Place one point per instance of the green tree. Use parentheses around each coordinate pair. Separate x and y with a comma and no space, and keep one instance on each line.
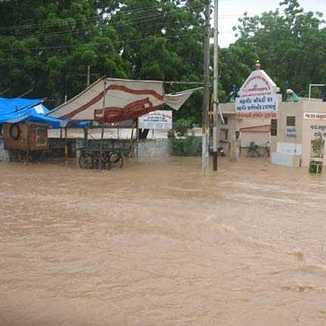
(289,42)
(47,46)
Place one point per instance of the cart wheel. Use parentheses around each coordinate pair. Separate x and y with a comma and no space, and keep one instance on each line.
(85,161)
(101,161)
(23,156)
(97,162)
(116,159)
(106,163)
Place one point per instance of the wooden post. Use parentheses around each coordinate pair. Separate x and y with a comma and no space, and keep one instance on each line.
(102,131)
(101,147)
(131,147)
(66,145)
(85,136)
(137,139)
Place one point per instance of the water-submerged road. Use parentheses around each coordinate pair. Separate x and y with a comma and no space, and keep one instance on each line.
(159,244)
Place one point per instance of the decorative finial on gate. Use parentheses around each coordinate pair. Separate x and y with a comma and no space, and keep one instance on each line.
(258,65)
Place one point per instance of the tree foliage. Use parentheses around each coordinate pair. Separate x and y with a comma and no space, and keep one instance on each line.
(290,43)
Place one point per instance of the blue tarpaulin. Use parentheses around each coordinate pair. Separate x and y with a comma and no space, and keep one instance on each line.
(14,110)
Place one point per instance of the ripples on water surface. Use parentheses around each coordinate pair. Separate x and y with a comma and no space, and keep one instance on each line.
(159,244)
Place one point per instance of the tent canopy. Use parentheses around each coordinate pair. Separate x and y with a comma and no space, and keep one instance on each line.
(14,110)
(114,100)
(12,105)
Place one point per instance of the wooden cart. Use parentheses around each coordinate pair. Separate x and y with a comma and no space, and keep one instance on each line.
(103,156)
(25,141)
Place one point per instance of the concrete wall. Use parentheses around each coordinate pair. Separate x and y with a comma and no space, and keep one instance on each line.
(149,150)
(297,146)
(312,107)
(287,145)
(285,159)
(145,150)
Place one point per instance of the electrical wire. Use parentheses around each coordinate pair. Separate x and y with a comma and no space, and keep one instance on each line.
(143,19)
(91,18)
(133,41)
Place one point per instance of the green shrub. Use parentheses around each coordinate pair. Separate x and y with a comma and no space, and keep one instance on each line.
(315,167)
(187,146)
(181,126)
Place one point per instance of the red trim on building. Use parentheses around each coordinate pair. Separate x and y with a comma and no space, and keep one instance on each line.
(257,129)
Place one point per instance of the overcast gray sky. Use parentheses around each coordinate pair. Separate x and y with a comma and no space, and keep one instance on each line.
(231,10)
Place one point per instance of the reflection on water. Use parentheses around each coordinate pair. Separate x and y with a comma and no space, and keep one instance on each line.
(159,244)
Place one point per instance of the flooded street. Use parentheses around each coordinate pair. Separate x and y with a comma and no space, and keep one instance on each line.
(160,244)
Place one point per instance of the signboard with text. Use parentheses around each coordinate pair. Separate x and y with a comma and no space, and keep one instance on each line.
(158,120)
(317,141)
(289,148)
(258,96)
(314,116)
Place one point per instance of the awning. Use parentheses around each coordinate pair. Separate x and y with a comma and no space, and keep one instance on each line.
(113,100)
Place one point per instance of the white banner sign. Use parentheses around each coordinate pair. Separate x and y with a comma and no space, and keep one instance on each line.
(289,148)
(258,94)
(159,120)
(259,103)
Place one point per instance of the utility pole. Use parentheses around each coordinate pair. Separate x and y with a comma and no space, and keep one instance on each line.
(206,99)
(215,86)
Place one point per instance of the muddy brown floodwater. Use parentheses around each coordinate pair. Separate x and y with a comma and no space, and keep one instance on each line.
(160,244)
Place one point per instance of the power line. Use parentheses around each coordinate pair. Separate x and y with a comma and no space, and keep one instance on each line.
(115,24)
(134,21)
(140,20)
(142,39)
(4,91)
(27,92)
(96,17)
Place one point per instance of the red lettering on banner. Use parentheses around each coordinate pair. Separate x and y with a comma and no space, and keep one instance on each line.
(265,115)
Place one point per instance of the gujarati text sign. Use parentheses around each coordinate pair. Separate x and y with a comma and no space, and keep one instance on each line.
(257,95)
(159,120)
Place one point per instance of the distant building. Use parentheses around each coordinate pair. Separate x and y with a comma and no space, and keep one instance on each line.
(295,130)
(256,130)
(256,103)
(294,133)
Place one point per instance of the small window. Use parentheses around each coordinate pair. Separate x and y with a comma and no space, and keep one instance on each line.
(273,127)
(225,120)
(290,121)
